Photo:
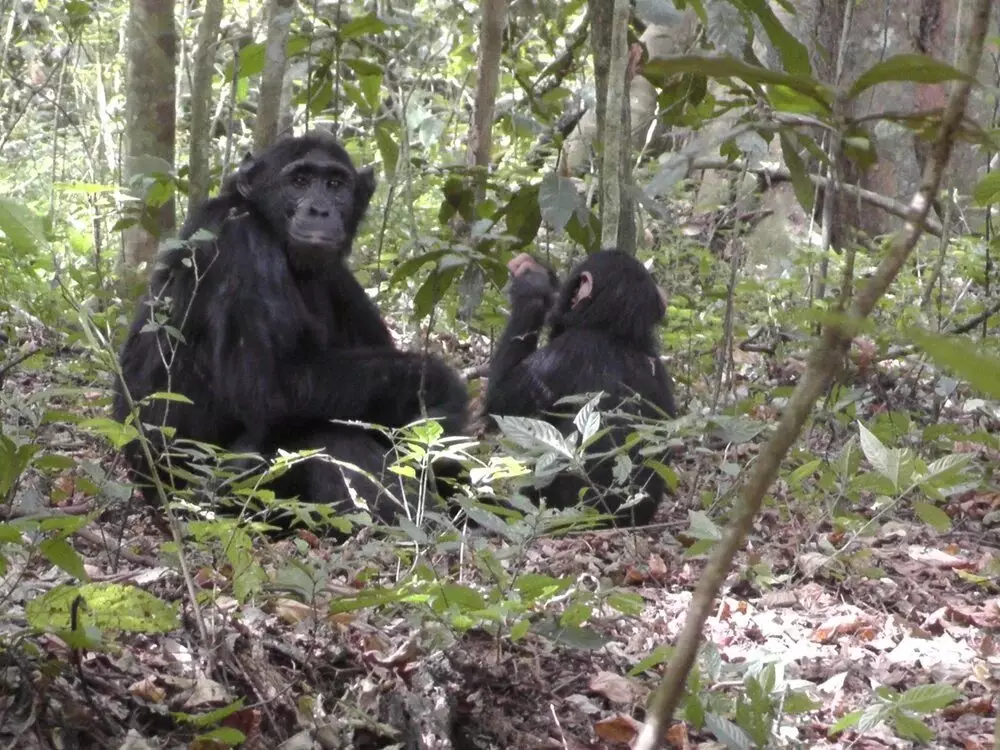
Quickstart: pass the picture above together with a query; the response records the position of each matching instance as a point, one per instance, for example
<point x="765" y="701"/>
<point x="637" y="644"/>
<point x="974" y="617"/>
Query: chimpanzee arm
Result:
<point x="531" y="296"/>
<point x="375" y="385"/>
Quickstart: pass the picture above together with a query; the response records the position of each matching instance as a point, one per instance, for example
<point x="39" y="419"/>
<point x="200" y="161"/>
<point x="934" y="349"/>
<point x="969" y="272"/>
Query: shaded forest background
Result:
<point x="812" y="185"/>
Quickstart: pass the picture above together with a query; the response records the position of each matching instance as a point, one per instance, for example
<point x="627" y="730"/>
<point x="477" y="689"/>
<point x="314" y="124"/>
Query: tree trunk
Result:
<point x="618" y="221"/>
<point x="276" y="60"/>
<point x="201" y="103"/>
<point x="481" y="129"/>
<point x="149" y="111"/>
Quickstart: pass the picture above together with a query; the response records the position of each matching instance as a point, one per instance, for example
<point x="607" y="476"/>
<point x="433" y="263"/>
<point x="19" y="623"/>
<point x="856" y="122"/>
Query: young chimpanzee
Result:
<point x="602" y="338"/>
<point x="277" y="337"/>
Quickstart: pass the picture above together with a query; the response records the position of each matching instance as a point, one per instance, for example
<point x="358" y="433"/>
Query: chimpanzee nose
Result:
<point x="321" y="212"/>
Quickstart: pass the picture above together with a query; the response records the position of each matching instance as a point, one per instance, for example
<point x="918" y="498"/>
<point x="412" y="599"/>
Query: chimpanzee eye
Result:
<point x="299" y="180"/>
<point x="333" y="183"/>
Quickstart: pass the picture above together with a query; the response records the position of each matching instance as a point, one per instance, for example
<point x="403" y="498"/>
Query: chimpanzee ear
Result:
<point x="584" y="289"/>
<point x="243" y="173"/>
<point x="364" y="188"/>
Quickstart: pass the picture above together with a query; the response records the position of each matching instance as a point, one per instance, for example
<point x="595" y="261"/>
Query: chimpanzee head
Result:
<point x="613" y="292"/>
<point x="310" y="195"/>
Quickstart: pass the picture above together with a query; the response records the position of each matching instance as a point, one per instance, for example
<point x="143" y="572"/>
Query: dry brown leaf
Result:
<point x="620" y="728"/>
<point x="614" y="687"/>
<point x="147" y="689"/>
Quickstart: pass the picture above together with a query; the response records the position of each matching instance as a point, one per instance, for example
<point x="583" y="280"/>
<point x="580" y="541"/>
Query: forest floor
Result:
<point x="389" y="678"/>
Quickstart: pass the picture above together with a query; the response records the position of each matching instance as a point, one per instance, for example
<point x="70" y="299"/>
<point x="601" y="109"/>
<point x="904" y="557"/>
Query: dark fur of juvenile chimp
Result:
<point x="278" y="335"/>
<point x="602" y="338"/>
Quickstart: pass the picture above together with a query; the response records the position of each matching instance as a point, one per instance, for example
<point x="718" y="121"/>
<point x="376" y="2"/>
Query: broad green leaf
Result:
<point x="883" y="460"/>
<point x="794" y="55"/>
<point x="60" y="553"/>
<point x="226" y="736"/>
<point x="728" y="733"/>
<point x="847" y="721"/>
<point x="558" y="200"/>
<point x="251" y="60"/>
<point x="110" y="606"/>
<point x="933" y="516"/>
<point x="910" y="727"/>
<point x="805" y="193"/>
<point x="116" y="433"/>
<point x="797" y="702"/>
<point x="962" y="358"/>
<point x="703" y="527"/>
<point x="800" y="474"/>
<point x="987" y="190"/>
<point x="626" y="602"/>
<point x="730" y="67"/>
<point x="9" y="534"/>
<point x="387" y="148"/>
<point x="534" y="433"/>
<point x="520" y="629"/>
<point x="362" y="26"/>
<point x="364" y="67"/>
<point x="926" y="699"/>
<point x="21" y="225"/>
<point x="660" y="655"/>
<point x="910" y="67"/>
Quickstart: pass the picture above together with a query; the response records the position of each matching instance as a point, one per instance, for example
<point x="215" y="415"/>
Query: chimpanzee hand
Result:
<point x="531" y="279"/>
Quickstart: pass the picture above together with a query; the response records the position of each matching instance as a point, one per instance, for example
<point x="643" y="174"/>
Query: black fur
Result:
<point x="606" y="341"/>
<point x="278" y="335"/>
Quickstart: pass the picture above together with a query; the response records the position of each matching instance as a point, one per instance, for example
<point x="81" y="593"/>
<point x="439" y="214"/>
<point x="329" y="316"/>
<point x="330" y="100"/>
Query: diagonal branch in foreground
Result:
<point x="824" y="362"/>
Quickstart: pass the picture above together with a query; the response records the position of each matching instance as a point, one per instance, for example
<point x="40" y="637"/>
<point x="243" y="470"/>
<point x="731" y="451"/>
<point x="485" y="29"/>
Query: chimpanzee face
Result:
<point x="310" y="194"/>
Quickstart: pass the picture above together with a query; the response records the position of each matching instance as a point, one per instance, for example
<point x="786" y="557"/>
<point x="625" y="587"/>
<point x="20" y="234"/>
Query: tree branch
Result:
<point x="776" y="174"/>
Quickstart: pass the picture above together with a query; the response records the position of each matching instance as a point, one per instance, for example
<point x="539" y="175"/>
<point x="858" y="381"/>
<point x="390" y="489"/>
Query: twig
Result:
<point x="12" y="363"/>
<point x="824" y="362"/>
<point x="776" y="174"/>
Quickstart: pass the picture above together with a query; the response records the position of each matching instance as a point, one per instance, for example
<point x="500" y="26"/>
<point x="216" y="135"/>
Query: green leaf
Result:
<point x="251" y="60"/>
<point x="794" y="55"/>
<point x="805" y="193"/>
<point x="520" y="629"/>
<point x="362" y="26"/>
<point x="728" y="733"/>
<point x="387" y="148"/>
<point x="847" y="721"/>
<point x="660" y="655"/>
<point x="703" y="527"/>
<point x="910" y="67"/>
<point x="9" y="534"/>
<point x="533" y="434"/>
<point x="60" y="553"/>
<point x="116" y="433"/>
<point x="21" y="225"/>
<point x="558" y="200"/>
<point x="925" y="699"/>
<point x="625" y="602"/>
<point x="932" y="515"/>
<point x="911" y="728"/>
<point x="729" y="67"/>
<point x="987" y="190"/>
<point x="962" y="358"/>
<point x="883" y="460"/>
<point x="111" y="606"/>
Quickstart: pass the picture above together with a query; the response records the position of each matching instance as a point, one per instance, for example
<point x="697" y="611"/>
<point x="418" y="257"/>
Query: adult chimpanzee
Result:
<point x="602" y="338"/>
<point x="277" y="337"/>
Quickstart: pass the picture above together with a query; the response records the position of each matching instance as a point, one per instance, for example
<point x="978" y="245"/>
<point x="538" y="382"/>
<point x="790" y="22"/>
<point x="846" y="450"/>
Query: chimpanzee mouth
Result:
<point x="317" y="239"/>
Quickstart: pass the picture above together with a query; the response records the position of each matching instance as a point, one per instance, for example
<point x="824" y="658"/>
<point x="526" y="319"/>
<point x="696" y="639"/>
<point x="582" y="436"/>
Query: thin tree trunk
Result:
<point x="150" y="112"/>
<point x="201" y="102"/>
<point x="618" y="221"/>
<point x="481" y="128"/>
<point x="276" y="60"/>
